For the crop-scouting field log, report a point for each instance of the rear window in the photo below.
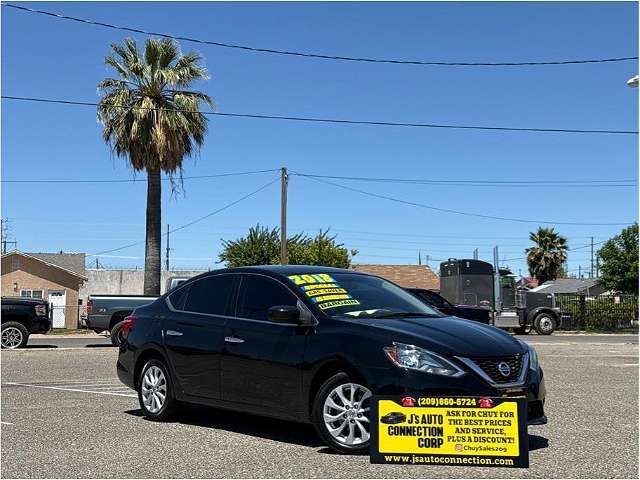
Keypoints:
(211, 295)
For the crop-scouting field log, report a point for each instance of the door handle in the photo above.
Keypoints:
(233, 340)
(173, 333)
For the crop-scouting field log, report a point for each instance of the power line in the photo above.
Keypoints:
(447, 210)
(569, 250)
(181, 227)
(488, 183)
(328, 120)
(139, 180)
(317, 55)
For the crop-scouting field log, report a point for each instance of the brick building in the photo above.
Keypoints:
(56, 277)
(416, 276)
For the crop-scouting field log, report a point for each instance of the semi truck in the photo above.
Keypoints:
(470, 282)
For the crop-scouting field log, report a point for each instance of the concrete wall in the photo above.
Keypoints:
(123, 282)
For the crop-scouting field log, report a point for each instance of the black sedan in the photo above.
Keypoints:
(313, 344)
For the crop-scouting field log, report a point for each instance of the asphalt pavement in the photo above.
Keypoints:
(64, 414)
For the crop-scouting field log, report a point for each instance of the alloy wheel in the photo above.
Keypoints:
(11, 337)
(346, 414)
(154, 389)
(545, 324)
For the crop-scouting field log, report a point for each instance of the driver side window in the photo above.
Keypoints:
(258, 294)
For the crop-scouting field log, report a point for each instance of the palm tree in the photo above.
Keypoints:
(545, 260)
(152, 118)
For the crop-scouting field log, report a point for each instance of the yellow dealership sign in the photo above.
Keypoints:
(450, 431)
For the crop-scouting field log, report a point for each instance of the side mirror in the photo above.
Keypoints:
(284, 314)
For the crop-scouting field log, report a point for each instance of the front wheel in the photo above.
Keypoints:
(544, 324)
(14, 335)
(155, 391)
(341, 414)
(522, 330)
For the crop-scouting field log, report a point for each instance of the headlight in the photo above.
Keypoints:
(533, 358)
(416, 358)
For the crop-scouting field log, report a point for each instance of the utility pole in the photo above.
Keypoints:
(166, 264)
(496, 281)
(579, 271)
(419, 258)
(475, 254)
(284, 180)
(591, 272)
(2, 232)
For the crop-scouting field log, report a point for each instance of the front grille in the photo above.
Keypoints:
(490, 366)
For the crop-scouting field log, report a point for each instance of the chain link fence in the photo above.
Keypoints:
(604, 312)
(68, 316)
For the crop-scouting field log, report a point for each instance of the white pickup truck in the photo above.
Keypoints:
(107, 312)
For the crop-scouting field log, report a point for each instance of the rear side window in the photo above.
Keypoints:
(210, 295)
(258, 294)
(177, 298)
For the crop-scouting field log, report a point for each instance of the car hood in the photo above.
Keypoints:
(449, 335)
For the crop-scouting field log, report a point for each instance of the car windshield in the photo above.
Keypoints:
(360, 296)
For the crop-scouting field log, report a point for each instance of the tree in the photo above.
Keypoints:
(619, 261)
(152, 118)
(546, 258)
(262, 247)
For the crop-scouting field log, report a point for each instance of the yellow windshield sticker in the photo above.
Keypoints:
(323, 290)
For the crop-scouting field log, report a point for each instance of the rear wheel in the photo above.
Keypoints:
(544, 324)
(116, 334)
(14, 335)
(341, 414)
(155, 391)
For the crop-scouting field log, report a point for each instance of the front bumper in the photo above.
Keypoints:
(404, 381)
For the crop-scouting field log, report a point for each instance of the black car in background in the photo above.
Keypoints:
(313, 344)
(433, 299)
(22, 316)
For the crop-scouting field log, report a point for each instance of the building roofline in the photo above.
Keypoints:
(75, 274)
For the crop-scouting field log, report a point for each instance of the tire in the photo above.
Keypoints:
(544, 324)
(116, 334)
(150, 393)
(522, 330)
(351, 419)
(14, 335)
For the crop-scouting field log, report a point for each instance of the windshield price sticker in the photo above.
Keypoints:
(474, 431)
(323, 290)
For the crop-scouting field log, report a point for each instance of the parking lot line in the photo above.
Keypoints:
(67, 389)
(76, 382)
(6, 423)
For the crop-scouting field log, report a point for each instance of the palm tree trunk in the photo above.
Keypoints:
(154, 233)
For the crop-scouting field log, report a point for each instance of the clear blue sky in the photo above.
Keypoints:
(45, 57)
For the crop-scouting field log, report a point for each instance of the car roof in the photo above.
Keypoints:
(278, 271)
(286, 270)
(25, 300)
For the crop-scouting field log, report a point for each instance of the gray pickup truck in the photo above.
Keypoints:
(107, 312)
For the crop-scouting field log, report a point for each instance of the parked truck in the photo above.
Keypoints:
(21, 317)
(476, 283)
(107, 312)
